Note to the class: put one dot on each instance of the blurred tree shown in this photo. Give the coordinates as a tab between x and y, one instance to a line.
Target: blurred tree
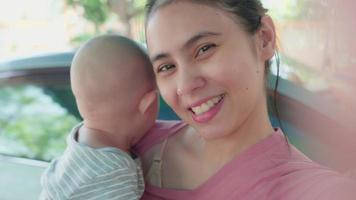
288	9
32	123
97	11
78	40
126	10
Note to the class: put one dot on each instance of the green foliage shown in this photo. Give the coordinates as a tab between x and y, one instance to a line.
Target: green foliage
32	125
95	11
287	9
139	5
99	11
80	39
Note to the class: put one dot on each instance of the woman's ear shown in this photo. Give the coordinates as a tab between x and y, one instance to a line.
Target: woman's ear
147	100
267	38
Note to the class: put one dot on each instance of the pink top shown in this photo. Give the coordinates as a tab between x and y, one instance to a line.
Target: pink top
268	170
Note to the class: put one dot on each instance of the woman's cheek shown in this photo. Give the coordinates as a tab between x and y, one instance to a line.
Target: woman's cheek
167	91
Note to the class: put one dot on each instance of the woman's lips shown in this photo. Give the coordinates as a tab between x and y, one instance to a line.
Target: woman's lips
207	110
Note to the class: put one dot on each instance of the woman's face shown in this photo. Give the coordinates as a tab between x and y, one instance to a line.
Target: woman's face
208	69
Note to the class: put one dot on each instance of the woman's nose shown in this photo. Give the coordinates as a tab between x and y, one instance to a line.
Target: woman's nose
189	81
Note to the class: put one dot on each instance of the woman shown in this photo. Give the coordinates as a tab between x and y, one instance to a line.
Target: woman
211	58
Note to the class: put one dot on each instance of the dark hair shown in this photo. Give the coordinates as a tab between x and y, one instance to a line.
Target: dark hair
246	12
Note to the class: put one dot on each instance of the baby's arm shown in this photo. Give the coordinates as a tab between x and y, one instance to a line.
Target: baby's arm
83	172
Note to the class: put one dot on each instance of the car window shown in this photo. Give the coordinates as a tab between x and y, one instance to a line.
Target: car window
35	119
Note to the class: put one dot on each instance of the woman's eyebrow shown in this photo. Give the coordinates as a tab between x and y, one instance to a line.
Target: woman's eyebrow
159	57
195	38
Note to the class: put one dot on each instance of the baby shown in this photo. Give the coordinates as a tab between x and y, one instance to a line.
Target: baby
113	83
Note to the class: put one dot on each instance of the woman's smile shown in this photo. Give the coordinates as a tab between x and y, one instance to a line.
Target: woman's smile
206	109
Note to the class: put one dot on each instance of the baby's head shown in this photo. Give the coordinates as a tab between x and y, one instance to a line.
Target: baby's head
113	83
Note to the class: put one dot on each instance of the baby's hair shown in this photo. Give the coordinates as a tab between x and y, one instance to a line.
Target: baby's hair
130	46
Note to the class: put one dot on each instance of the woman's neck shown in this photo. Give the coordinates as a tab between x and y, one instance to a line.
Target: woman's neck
194	159
217	152
224	149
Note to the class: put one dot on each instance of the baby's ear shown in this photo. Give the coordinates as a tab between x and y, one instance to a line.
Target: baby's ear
147	100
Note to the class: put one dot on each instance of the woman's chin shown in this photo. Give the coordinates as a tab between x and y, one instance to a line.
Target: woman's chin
211	133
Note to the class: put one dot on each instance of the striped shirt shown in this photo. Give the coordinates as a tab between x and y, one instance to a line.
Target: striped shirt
86	173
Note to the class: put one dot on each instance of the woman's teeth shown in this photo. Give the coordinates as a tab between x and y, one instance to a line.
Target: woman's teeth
207	105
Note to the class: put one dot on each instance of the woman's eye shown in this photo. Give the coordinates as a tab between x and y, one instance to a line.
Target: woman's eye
165	68
204	49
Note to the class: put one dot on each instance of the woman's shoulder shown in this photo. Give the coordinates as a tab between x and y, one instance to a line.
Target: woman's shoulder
315	184
303	178
292	175
159	132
